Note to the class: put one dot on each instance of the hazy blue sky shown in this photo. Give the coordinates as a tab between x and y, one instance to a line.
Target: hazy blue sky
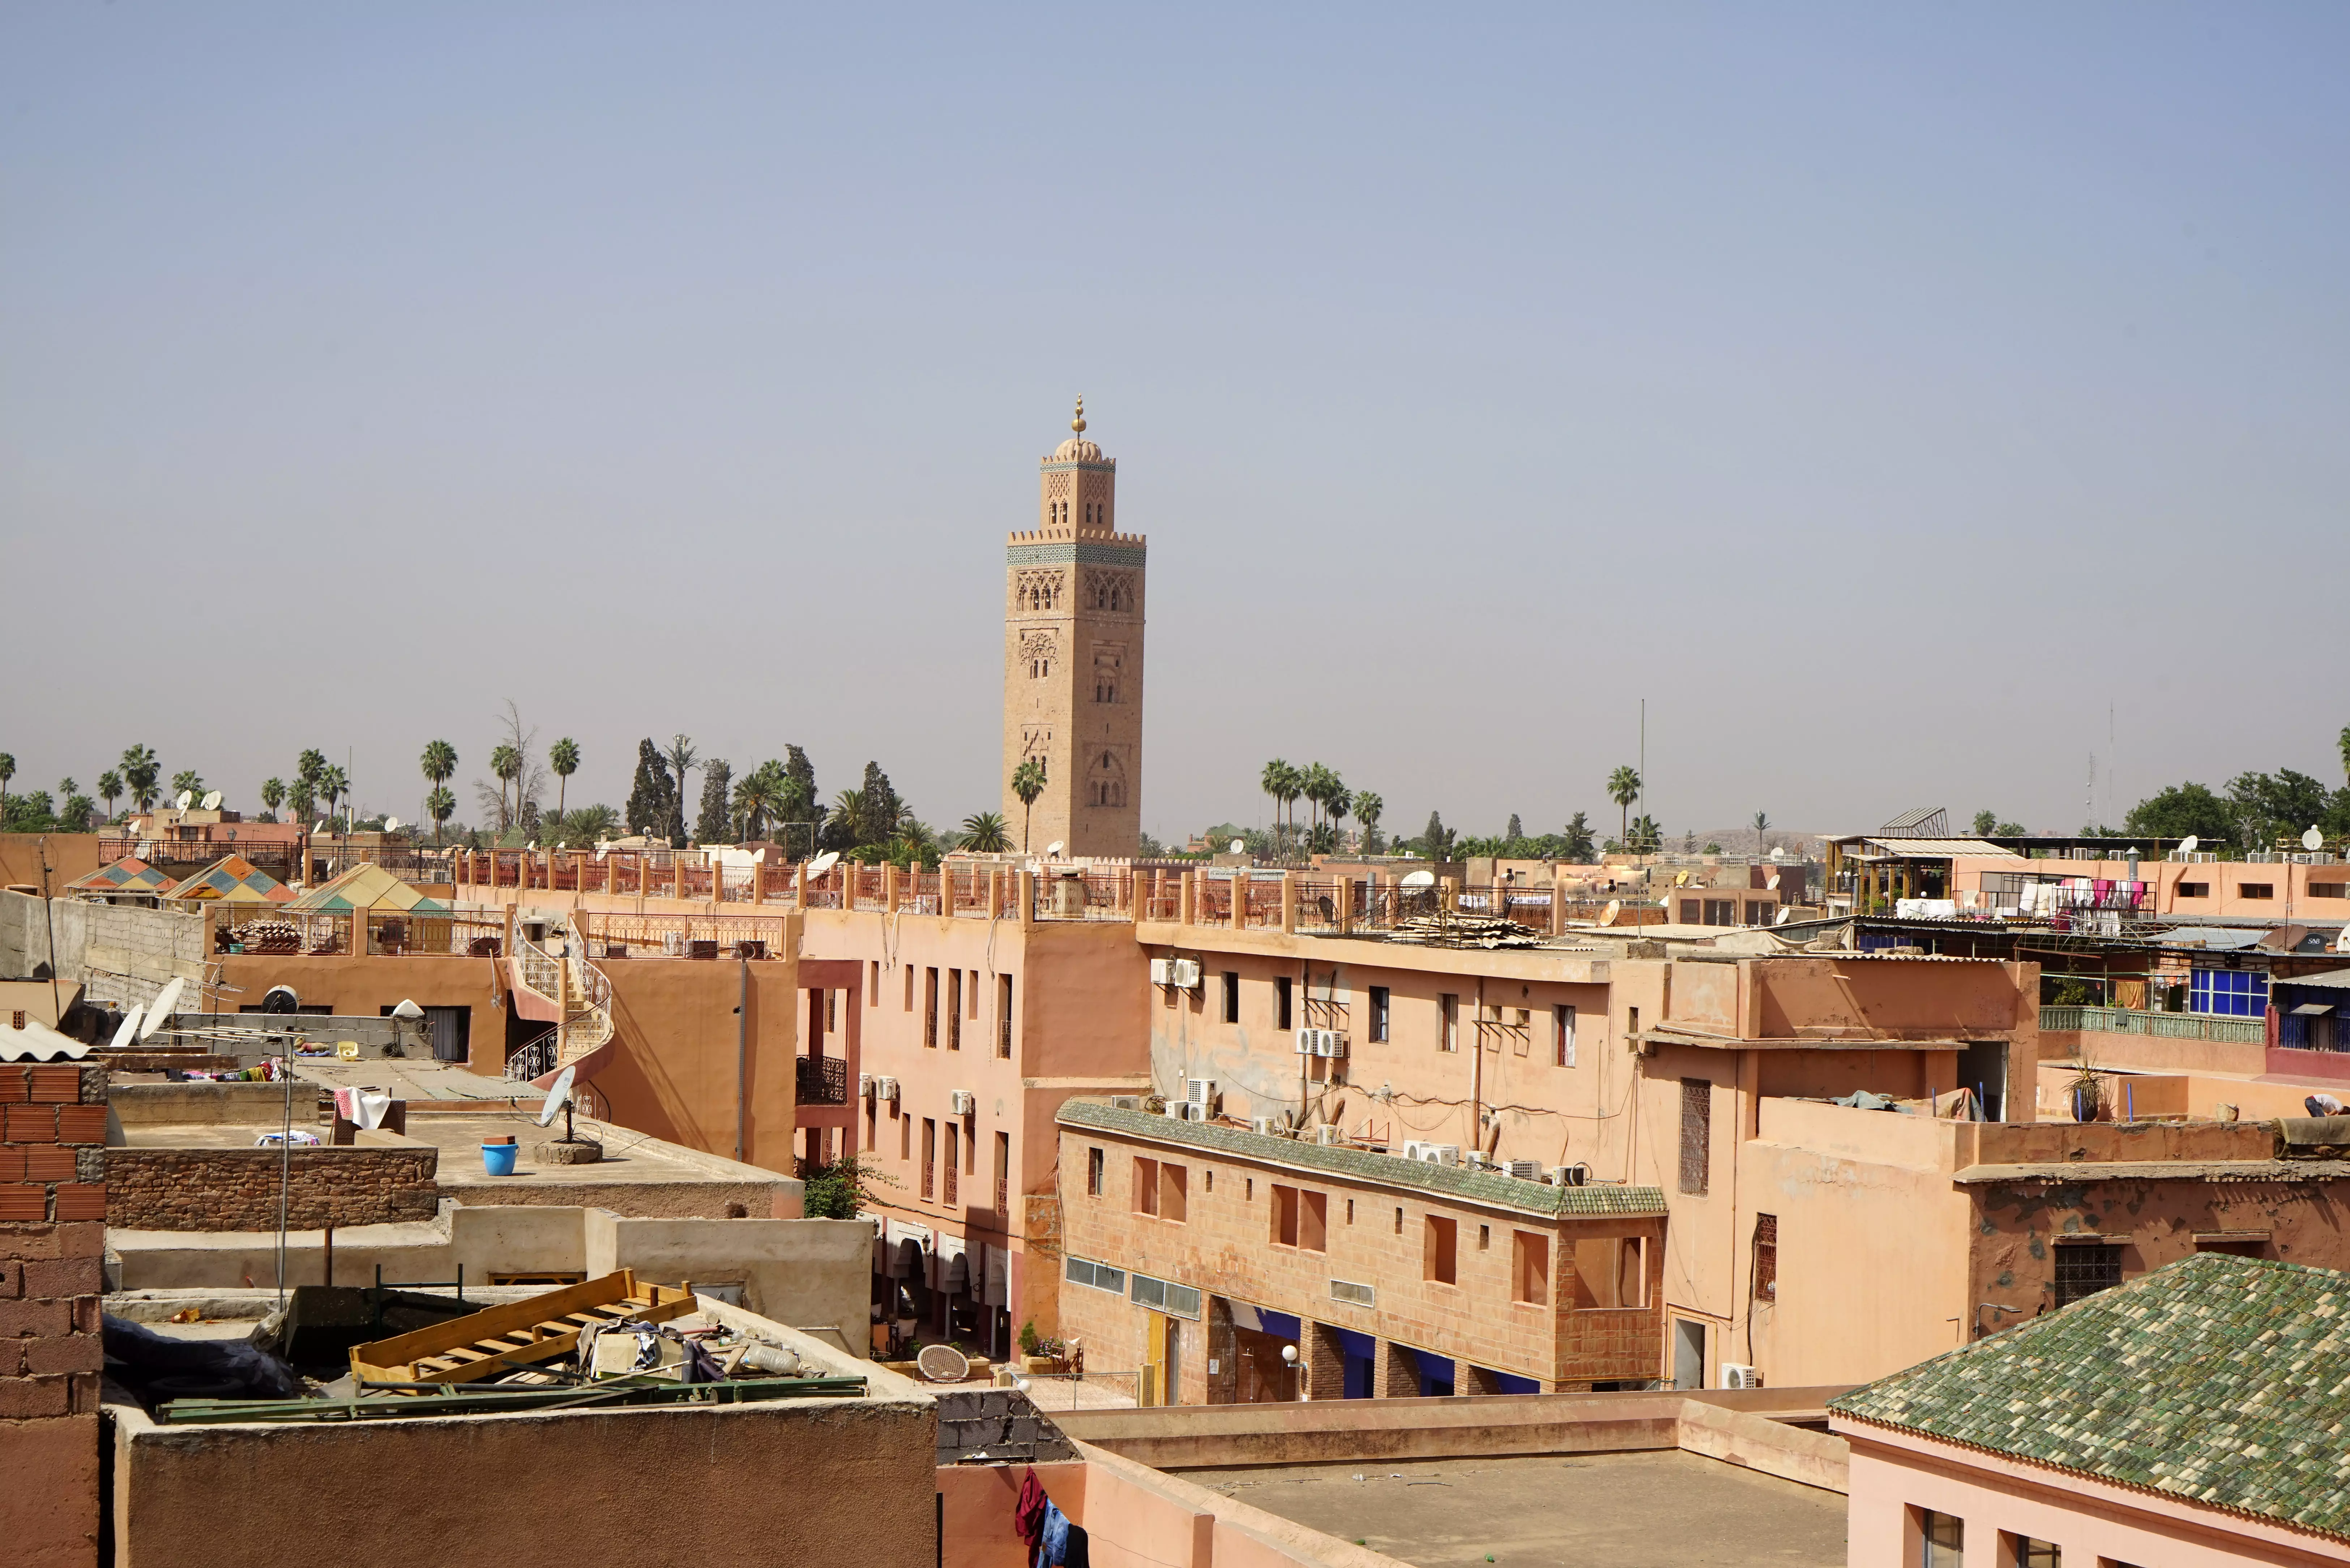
1880	391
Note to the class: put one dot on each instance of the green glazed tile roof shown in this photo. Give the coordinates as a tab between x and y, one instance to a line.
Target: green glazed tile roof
2223	1380
1483	1186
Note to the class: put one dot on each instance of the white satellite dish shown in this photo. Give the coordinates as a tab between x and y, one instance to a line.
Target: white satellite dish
1786	912
2188	845
408	1010
558	1097
391	824
128	1031
824	862
326	825
212	802
2342	942
1053	851
2313	840
187	798
1777	853
166	1002
1770	883
1240	847
1420	879
1615	908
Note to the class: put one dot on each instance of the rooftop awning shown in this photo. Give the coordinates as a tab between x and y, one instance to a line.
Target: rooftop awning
2309	1009
2330	980
1934	848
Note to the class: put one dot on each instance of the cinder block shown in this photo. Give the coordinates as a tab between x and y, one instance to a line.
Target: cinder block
39	1319
29	1398
13	1085
73	1352
64	1277
29	1240
12	1279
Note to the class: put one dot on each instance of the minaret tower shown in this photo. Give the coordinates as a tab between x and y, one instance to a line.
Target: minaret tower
1073	659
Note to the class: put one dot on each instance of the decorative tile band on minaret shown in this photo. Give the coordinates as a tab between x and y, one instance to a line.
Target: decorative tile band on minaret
1073	659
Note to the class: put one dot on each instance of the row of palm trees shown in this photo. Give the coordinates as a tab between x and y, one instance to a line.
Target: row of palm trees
1322	788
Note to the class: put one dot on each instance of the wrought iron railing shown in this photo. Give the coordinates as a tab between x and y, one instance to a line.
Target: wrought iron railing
2158	1025
533	1060
822	1081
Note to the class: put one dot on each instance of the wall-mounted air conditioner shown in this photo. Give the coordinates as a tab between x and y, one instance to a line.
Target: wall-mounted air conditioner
963	1103
1477	1160
1125	1102
864	1085
1184	973
1737	1374
1523	1170
1321	1042
1192	1111
1268	1127
1158	971
886	1088
1200	1091
1569	1175
1436	1153
1329	1137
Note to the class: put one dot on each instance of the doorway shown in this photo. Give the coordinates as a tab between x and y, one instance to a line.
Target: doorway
1163	1354
1688	1353
1983	1067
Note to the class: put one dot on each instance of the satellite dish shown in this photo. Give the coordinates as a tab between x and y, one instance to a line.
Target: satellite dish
824	862
281	1000
558	1097
1240	847
326	825
2342	942
1770	883
2188	845
1786	912
391	824
212	802
165	1005
2313	840
1680	878
1053	849
1420	879
187	798
128	1031
1777	853
1615	908
408	1010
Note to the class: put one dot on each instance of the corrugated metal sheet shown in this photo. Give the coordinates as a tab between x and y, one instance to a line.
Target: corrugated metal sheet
1935	848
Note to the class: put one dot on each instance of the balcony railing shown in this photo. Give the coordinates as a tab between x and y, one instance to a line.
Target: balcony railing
2158	1025
533	1060
823	1080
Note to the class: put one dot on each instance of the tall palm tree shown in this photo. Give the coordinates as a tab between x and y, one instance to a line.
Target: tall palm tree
564	758
1761	827
440	805
109	784
1316	785
1027	783
982	834
682	758
1273	781
758	796
848	810
2346	751
142	773
273	795
1624	788
335	784
505	762
1368	809
187	781
310	784
7	771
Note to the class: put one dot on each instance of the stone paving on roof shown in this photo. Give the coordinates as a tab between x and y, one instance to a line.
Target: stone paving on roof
1459	1181
2222	1379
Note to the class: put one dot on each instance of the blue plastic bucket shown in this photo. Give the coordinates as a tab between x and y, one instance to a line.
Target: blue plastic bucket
498	1159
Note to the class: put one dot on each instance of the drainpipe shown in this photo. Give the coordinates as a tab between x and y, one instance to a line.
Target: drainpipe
742	1051
1477	1071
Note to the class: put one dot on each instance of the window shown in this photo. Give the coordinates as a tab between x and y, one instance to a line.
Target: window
1350	1211
1448	1014
1313	1221
1284	1215
1282	986
930	1155
1207	1181
1484	1238
1232	997
2022	1551
1944	1536
1562	1035
2084	1268
1100	1276
1722	911
910	988
1003	1016
1378	1013
1173	1185
1093	1173
1607	1271
954	1164
954	1010
2195	890
2327	889
1165	1295
930	1007
1691	912
1145	1186
2230	992
1766	1257
1439	1243
905	1137
873	987
1398	1226
1529	1267
1002	1173
1758	913
1697	1133
2255	890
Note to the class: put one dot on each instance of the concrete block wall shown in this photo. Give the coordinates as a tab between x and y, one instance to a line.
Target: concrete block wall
122	952
237	1188
996	1426
52	1256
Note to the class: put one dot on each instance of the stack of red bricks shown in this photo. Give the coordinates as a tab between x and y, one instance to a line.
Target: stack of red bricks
52	1238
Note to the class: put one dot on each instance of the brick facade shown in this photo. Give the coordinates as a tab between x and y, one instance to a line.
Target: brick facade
236	1188
52	1263
1569	1335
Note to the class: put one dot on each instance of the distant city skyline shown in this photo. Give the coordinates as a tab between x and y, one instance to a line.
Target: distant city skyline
1885	398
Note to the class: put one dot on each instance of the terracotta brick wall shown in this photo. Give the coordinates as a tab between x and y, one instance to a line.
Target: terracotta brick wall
236	1188
52	1263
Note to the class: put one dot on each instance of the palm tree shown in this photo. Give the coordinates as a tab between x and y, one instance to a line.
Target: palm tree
336	784
7	771
1316	784
309	782
67	789
505	762
273	795
1027	783
109	784
2346	751
564	758
848	810
589	825
301	800
1273	781
1761	827
187	781
1624	788
982	834
682	758
440	805
141	772
1367	807
758	796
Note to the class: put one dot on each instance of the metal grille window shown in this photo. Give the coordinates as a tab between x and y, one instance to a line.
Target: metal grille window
2230	992
1165	1295
1697	1133
929	1155
1100	1276
1766	1257
2084	1268
954	1164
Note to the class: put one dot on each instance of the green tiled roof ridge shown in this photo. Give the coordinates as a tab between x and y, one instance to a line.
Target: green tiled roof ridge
2221	1380
1483	1186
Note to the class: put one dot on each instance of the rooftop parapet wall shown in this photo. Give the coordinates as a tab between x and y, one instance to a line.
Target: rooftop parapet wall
238	1189
1933	1143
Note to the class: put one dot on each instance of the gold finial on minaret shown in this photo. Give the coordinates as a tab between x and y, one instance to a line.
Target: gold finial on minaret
1078	424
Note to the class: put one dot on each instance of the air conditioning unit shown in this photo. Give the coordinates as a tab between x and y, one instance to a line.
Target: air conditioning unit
1523	1170
1183	973
1329	1137
1200	1091
1125	1102
864	1085
885	1089
1411	1148
1268	1127
1436	1154
1737	1374
1159	969
963	1103
674	945
1194	1111
1569	1175
1477	1160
